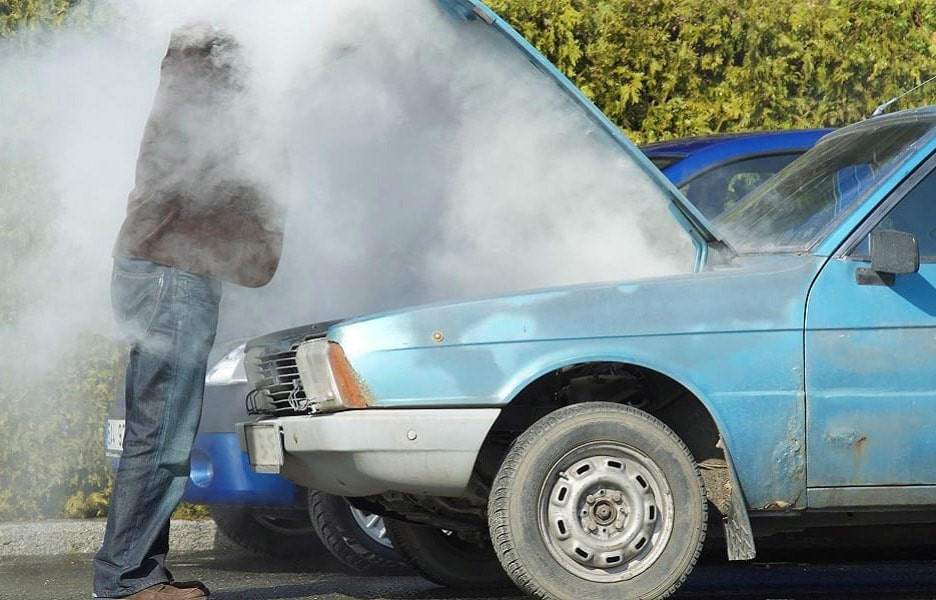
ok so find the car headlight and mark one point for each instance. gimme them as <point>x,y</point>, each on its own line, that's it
<point>327,378</point>
<point>228,370</point>
<point>312,362</point>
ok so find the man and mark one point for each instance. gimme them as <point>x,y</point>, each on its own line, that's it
<point>198,215</point>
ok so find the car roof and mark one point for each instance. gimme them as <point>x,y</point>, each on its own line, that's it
<point>693,155</point>
<point>753,139</point>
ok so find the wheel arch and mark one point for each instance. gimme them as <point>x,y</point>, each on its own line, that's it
<point>626,379</point>
<point>527,382</point>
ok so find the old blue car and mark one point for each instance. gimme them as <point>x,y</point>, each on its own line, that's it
<point>268,514</point>
<point>583,441</point>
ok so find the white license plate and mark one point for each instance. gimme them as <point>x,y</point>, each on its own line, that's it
<point>114,431</point>
<point>264,447</point>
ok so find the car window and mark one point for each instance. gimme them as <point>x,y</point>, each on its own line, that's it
<point>661,161</point>
<point>916,214</point>
<point>718,189</point>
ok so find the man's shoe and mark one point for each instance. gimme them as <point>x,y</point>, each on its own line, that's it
<point>164,591</point>
<point>192,585</point>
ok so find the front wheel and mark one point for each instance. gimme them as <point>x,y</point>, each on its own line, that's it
<point>598,500</point>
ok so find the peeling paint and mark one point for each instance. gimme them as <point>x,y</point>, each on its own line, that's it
<point>845,439</point>
<point>789,460</point>
<point>849,440</point>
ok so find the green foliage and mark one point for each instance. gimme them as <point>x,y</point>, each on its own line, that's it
<point>553,26</point>
<point>671,68</point>
<point>16,15</point>
<point>51,454</point>
<point>24,202</point>
<point>191,512</point>
<point>51,433</point>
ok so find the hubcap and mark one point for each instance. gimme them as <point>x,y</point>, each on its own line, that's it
<point>605,511</point>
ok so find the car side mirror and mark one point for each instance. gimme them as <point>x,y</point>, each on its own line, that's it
<point>892,253</point>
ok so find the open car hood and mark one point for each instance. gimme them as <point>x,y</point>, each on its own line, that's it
<point>475,12</point>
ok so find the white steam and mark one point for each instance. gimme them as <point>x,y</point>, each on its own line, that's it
<point>423,163</point>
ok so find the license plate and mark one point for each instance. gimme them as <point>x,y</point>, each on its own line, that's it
<point>114,436</point>
<point>264,447</point>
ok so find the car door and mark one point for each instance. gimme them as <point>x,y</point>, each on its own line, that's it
<point>870,358</point>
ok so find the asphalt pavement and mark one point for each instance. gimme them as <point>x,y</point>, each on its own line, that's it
<point>237,576</point>
<point>784,572</point>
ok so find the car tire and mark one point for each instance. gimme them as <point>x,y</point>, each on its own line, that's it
<point>442,557</point>
<point>283,535</point>
<point>598,500</point>
<point>356,538</point>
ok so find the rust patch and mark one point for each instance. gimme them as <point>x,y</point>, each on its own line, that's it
<point>788,457</point>
<point>717,483</point>
<point>788,467</point>
<point>845,439</point>
<point>849,439</point>
<point>859,447</point>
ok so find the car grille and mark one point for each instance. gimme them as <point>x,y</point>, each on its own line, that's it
<point>271,367</point>
<point>278,389</point>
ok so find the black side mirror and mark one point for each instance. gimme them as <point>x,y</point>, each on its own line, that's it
<point>892,253</point>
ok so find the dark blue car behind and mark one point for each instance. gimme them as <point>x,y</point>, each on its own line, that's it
<point>715,171</point>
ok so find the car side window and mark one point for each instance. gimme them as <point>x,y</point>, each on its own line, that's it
<point>916,214</point>
<point>720,188</point>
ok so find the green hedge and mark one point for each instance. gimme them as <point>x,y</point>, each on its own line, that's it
<point>16,15</point>
<point>671,68</point>
<point>658,68</point>
<point>51,459</point>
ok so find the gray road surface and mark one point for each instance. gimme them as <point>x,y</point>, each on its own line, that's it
<point>236,576</point>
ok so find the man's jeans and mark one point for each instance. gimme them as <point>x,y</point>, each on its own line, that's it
<point>170,318</point>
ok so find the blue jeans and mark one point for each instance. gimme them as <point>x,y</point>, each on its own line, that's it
<point>170,318</point>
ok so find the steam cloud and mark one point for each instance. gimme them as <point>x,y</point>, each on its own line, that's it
<point>423,164</point>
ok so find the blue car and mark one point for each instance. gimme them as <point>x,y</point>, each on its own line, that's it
<point>715,171</point>
<point>582,441</point>
<point>268,514</point>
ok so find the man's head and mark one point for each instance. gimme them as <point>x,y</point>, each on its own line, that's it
<point>200,53</point>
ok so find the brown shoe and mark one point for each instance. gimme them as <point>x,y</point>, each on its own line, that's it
<point>163,591</point>
<point>192,585</point>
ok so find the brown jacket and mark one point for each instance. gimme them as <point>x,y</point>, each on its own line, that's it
<point>203,200</point>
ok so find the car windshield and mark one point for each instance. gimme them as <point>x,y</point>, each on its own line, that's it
<point>793,210</point>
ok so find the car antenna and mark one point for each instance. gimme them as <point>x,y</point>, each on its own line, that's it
<point>882,107</point>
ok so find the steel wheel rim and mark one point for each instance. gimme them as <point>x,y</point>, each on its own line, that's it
<point>372,525</point>
<point>605,511</point>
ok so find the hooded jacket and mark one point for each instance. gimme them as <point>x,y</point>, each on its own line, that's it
<point>203,197</point>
